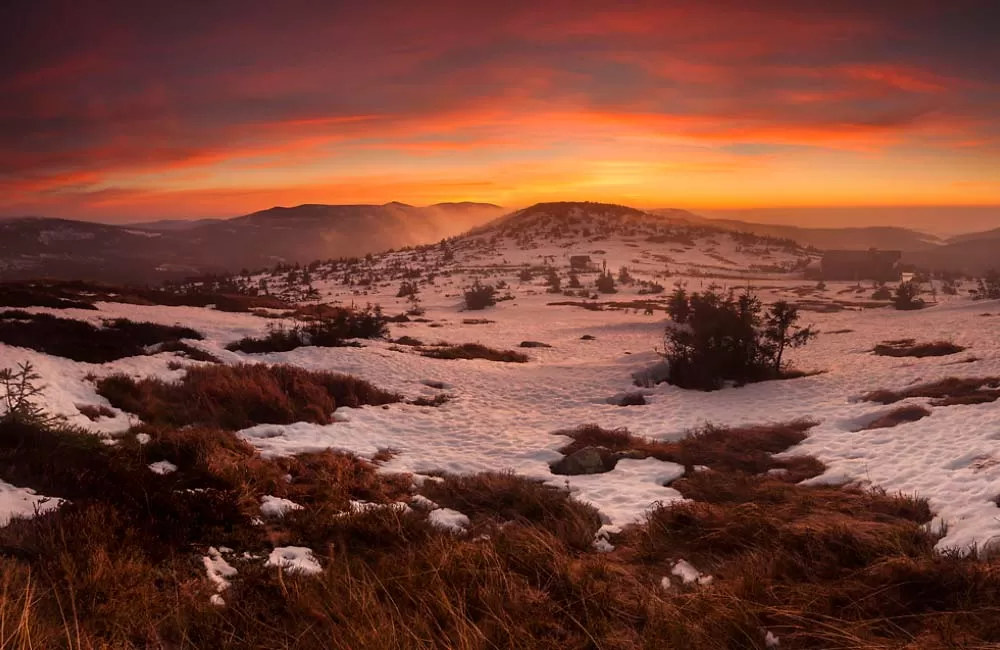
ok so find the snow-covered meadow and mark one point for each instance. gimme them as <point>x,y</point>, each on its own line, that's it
<point>505,415</point>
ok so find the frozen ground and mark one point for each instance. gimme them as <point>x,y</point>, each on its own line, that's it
<point>504,415</point>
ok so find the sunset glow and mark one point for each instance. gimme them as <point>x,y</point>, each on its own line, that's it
<point>216,109</point>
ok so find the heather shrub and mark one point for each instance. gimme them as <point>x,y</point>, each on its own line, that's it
<point>480,296</point>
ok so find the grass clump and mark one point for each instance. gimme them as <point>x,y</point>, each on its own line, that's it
<point>82,341</point>
<point>474,351</point>
<point>908,413</point>
<point>499,497</point>
<point>950,391</point>
<point>910,348</point>
<point>240,396</point>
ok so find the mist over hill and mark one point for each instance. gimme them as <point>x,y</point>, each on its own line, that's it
<point>33,247</point>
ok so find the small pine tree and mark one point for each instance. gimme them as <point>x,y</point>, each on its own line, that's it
<point>553,281</point>
<point>781,332</point>
<point>605,282</point>
<point>905,296</point>
<point>21,392</point>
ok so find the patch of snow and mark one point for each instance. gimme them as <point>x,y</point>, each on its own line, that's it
<point>22,502</point>
<point>421,502</point>
<point>272,506</point>
<point>294,559</point>
<point>688,574</point>
<point>449,520</point>
<point>219,571</point>
<point>163,467</point>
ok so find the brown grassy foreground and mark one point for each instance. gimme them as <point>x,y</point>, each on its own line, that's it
<point>119,567</point>
<point>910,348</point>
<point>474,351</point>
<point>239,396</point>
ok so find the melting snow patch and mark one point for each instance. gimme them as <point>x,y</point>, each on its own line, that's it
<point>601,543</point>
<point>367,506</point>
<point>22,502</point>
<point>163,467</point>
<point>423,503</point>
<point>770,640</point>
<point>688,574</point>
<point>142,438</point>
<point>294,559</point>
<point>217,600</point>
<point>219,571</point>
<point>271,506</point>
<point>665,583</point>
<point>448,519</point>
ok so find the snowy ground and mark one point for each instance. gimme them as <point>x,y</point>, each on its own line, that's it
<point>503,415</point>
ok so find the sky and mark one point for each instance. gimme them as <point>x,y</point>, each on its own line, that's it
<point>124,111</point>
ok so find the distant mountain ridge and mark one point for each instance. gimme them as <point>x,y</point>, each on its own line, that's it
<point>152,252</point>
<point>851,238</point>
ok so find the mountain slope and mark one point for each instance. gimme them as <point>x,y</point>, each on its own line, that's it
<point>972,257</point>
<point>39,247</point>
<point>882,237</point>
<point>975,236</point>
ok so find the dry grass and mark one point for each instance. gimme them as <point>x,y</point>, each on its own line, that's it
<point>908,413</point>
<point>950,391</point>
<point>910,348</point>
<point>240,396</point>
<point>119,567</point>
<point>474,351</point>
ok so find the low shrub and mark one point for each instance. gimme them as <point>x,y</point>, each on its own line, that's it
<point>480,296</point>
<point>474,351</point>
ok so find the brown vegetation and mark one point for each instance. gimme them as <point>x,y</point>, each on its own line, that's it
<point>119,566</point>
<point>909,413</point>
<point>950,391</point>
<point>742,449</point>
<point>474,351</point>
<point>81,341</point>
<point>240,396</point>
<point>910,348</point>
